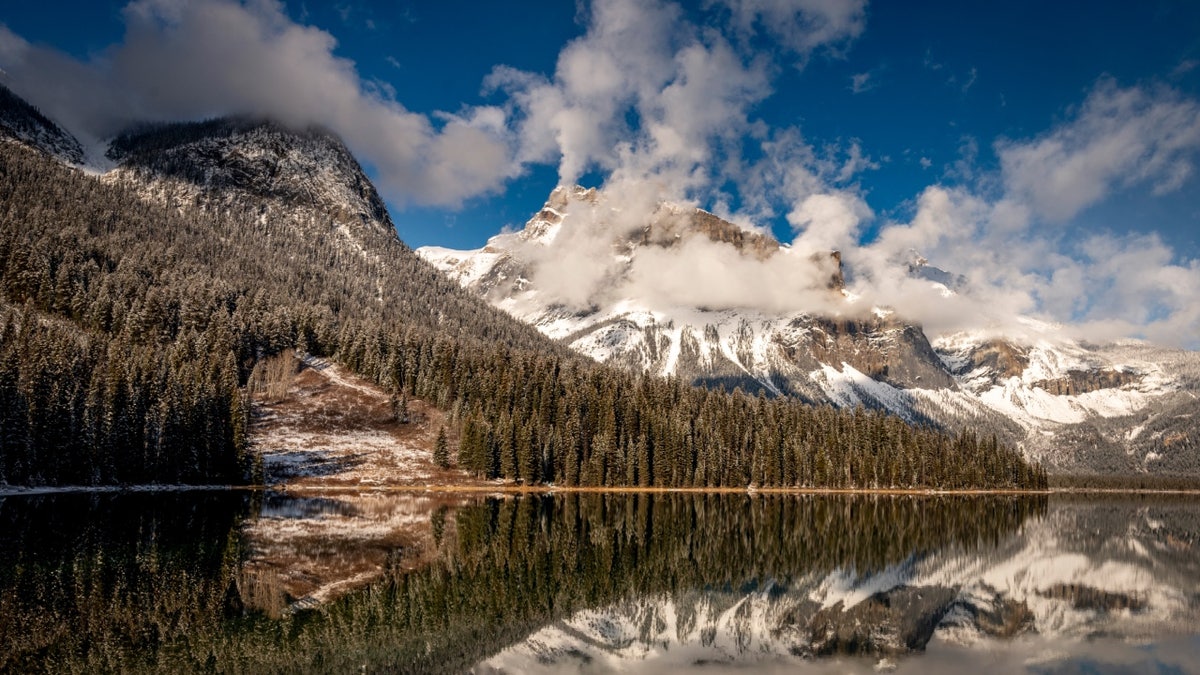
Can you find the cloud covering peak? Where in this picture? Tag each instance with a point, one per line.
(193, 60)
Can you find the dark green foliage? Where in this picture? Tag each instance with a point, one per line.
(400, 408)
(126, 328)
(100, 583)
(77, 408)
(441, 450)
(541, 418)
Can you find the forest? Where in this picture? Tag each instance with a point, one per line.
(129, 325)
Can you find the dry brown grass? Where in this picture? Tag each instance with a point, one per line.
(335, 430)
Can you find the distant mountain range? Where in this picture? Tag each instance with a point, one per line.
(1123, 407)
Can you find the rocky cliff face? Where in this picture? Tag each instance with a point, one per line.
(717, 347)
(1077, 407)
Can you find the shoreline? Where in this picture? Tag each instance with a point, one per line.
(510, 489)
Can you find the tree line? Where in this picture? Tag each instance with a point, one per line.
(537, 419)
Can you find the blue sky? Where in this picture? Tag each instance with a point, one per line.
(1066, 132)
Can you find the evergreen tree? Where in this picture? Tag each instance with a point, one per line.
(441, 449)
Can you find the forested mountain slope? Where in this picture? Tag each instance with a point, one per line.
(23, 123)
(137, 304)
(131, 321)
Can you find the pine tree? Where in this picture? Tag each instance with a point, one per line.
(400, 408)
(441, 449)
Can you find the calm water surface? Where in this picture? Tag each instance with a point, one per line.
(252, 582)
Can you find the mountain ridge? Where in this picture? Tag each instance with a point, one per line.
(22, 122)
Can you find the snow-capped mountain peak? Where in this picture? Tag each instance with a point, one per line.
(681, 292)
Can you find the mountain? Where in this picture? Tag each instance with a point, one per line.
(23, 123)
(1125, 407)
(729, 347)
(301, 195)
(227, 160)
(135, 304)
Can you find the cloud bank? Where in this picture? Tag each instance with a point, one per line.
(664, 109)
(1013, 242)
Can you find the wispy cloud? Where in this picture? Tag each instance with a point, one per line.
(1120, 137)
(972, 75)
(1186, 66)
(803, 26)
(664, 109)
(860, 82)
(647, 95)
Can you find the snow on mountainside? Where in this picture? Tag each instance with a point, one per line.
(22, 122)
(730, 347)
(1078, 407)
(264, 171)
(626, 290)
(228, 159)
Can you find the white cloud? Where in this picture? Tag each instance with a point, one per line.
(588, 264)
(1119, 137)
(828, 222)
(1134, 285)
(642, 92)
(664, 108)
(1003, 231)
(190, 60)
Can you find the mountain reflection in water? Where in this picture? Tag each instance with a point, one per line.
(439, 582)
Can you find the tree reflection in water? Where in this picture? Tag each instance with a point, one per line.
(429, 583)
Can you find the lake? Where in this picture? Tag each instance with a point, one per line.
(244, 581)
